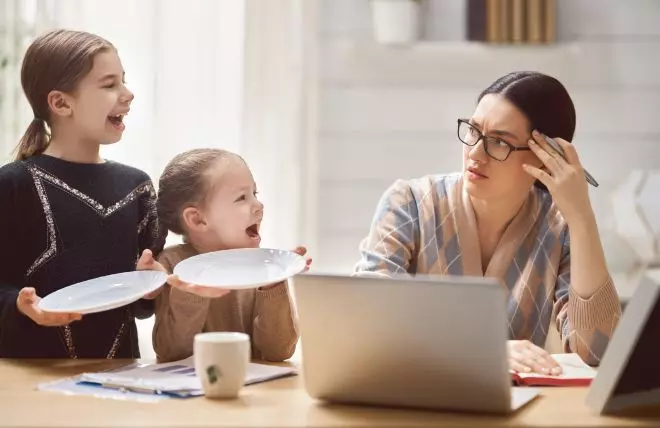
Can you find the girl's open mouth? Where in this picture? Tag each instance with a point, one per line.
(253, 232)
(117, 121)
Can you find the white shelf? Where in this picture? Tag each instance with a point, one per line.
(474, 64)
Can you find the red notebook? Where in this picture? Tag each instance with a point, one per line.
(575, 372)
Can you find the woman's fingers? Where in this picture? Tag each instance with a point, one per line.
(551, 162)
(518, 366)
(540, 175)
(526, 355)
(570, 153)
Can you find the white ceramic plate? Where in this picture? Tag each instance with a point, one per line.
(241, 268)
(104, 293)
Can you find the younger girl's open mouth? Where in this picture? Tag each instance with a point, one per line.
(253, 232)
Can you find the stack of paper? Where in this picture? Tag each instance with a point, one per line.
(175, 379)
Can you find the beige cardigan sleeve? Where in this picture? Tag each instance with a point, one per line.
(275, 326)
(585, 325)
(179, 316)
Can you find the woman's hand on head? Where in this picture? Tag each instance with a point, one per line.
(27, 303)
(525, 357)
(564, 178)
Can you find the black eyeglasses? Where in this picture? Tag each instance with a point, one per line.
(494, 147)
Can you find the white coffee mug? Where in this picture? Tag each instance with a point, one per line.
(221, 362)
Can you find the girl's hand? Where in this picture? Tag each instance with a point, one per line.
(301, 251)
(148, 262)
(27, 303)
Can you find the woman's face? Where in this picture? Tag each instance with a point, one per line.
(485, 177)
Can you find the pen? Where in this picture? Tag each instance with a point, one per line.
(133, 388)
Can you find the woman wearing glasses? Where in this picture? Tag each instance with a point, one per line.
(507, 215)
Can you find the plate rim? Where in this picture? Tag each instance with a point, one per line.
(283, 277)
(107, 306)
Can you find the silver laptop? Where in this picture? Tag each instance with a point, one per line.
(419, 343)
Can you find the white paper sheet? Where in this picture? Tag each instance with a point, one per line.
(176, 378)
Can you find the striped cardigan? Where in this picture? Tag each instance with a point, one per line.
(428, 226)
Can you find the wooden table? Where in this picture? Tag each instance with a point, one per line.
(278, 403)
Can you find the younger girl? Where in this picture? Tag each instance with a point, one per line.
(68, 215)
(209, 197)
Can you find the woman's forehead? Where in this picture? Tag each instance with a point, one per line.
(497, 113)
